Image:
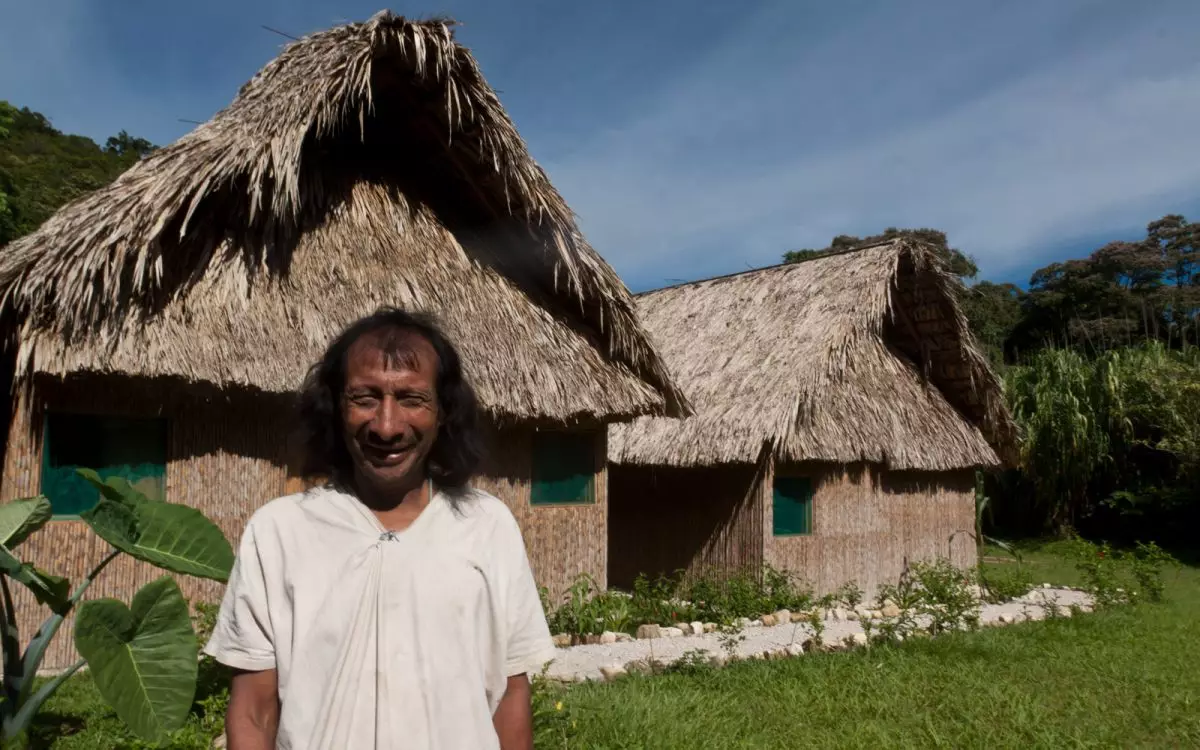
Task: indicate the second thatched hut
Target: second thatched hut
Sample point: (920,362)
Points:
(161,324)
(841,412)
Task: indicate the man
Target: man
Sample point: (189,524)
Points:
(393,607)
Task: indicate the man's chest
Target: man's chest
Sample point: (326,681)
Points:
(429,577)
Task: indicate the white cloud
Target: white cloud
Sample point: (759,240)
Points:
(1096,137)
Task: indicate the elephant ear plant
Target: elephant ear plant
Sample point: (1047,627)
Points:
(144,658)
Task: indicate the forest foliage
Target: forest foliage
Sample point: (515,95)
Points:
(42,169)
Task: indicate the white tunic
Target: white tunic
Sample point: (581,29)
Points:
(383,640)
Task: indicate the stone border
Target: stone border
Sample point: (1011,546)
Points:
(778,635)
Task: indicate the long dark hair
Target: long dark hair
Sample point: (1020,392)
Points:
(457,449)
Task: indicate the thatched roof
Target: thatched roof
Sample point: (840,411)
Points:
(369,164)
(858,356)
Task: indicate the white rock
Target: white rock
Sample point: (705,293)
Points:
(672,633)
(685,628)
(837,614)
(697,628)
(795,650)
(608,637)
(754,624)
(783,616)
(717,660)
(767,620)
(890,609)
(613,672)
(624,637)
(853,616)
(743,622)
(1007,619)
(876,614)
(645,632)
(562,640)
(856,639)
(711,627)
(1045,585)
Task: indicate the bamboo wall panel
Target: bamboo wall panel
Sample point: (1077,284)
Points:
(223,457)
(868,524)
(562,541)
(704,520)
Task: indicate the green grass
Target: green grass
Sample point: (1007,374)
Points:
(1122,678)
(1113,679)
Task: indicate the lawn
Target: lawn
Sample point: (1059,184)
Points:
(1121,678)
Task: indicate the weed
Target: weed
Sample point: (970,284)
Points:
(691,662)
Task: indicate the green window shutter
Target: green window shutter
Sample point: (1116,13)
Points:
(793,502)
(564,469)
(132,448)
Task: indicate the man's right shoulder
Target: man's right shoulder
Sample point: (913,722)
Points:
(285,509)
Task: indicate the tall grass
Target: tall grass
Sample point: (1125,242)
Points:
(1119,433)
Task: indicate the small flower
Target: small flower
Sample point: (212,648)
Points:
(558,706)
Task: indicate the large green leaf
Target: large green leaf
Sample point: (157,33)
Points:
(20,518)
(143,660)
(49,589)
(172,536)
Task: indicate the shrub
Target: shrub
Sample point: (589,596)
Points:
(934,592)
(1115,577)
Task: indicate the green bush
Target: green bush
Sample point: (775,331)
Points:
(1115,577)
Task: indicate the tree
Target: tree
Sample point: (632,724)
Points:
(42,169)
(1122,294)
(993,311)
(956,261)
(123,144)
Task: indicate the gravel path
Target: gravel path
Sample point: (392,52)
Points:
(578,663)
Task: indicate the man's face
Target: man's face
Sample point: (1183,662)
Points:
(390,407)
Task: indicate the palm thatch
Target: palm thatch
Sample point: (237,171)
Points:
(368,164)
(859,356)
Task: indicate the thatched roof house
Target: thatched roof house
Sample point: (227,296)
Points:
(173,312)
(851,380)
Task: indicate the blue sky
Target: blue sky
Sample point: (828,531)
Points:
(696,139)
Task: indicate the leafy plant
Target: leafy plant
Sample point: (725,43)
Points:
(850,593)
(1147,562)
(1121,577)
(691,662)
(946,597)
(816,624)
(143,658)
(730,637)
